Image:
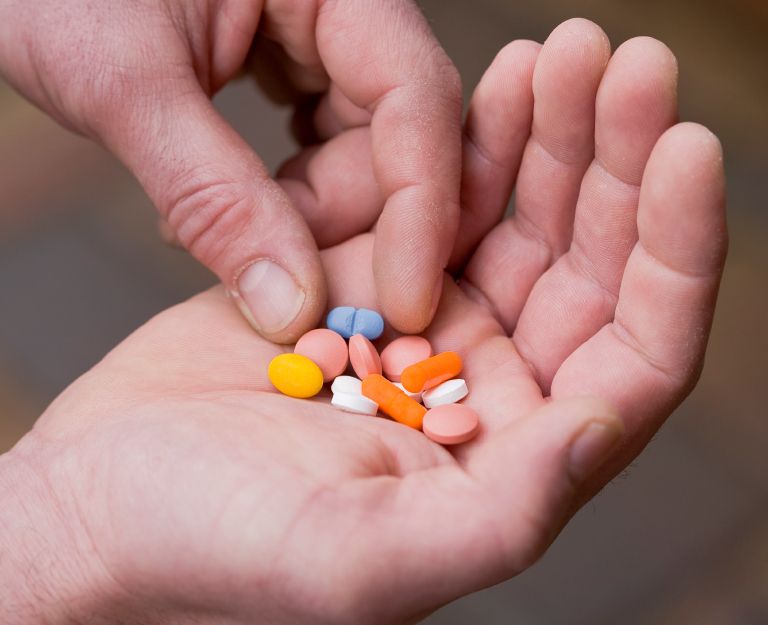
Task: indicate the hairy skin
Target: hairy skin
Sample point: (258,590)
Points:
(365,76)
(177,487)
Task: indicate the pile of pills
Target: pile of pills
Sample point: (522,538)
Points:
(405,382)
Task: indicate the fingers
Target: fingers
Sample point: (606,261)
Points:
(565,82)
(636,103)
(322,117)
(385,60)
(217,197)
(284,56)
(468,530)
(335,113)
(334,188)
(495,133)
(515,254)
(534,467)
(649,357)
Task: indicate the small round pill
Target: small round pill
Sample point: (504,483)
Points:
(446,393)
(341,319)
(369,323)
(327,349)
(357,404)
(347,384)
(451,424)
(295,375)
(363,356)
(404,352)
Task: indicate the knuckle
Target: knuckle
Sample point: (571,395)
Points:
(207,215)
(446,73)
(437,80)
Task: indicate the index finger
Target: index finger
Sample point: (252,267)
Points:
(385,59)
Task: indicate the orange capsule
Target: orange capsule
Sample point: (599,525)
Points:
(393,402)
(431,372)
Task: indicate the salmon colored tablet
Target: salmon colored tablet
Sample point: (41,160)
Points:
(363,356)
(451,424)
(402,353)
(327,349)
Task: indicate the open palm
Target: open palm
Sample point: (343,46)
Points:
(216,496)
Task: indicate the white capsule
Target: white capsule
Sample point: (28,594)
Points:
(416,396)
(358,404)
(446,393)
(347,384)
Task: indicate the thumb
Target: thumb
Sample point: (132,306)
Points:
(535,468)
(458,527)
(218,199)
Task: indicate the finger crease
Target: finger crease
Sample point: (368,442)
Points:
(616,177)
(478,295)
(626,337)
(581,162)
(693,275)
(533,232)
(584,266)
(481,152)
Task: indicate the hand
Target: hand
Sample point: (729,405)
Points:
(139,76)
(187,486)
(217,497)
(606,276)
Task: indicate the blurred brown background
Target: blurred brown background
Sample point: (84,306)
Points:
(681,538)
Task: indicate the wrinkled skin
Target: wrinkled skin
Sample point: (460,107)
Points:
(193,493)
(363,76)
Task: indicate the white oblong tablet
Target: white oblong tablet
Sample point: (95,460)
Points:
(415,396)
(358,404)
(446,393)
(347,384)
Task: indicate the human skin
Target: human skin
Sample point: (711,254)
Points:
(138,78)
(171,484)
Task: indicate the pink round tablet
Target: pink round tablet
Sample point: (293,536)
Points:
(363,356)
(402,353)
(451,424)
(327,349)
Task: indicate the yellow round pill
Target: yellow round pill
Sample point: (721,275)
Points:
(295,375)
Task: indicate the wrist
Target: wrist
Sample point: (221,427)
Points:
(43,577)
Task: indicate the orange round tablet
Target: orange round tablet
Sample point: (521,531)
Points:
(451,424)
(363,356)
(402,353)
(327,349)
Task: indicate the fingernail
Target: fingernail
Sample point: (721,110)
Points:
(268,296)
(591,447)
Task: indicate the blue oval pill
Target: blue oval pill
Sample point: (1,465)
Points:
(341,319)
(369,323)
